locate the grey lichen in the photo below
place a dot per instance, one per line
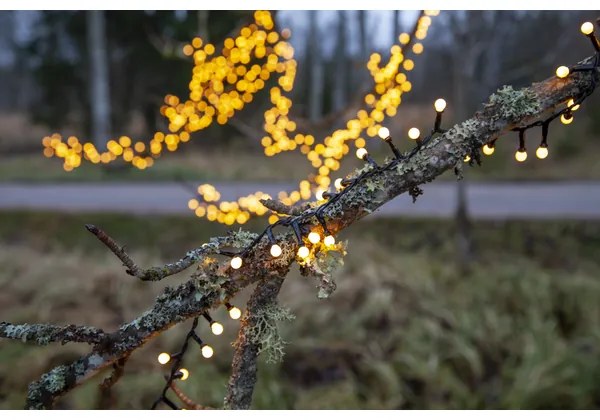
(264, 331)
(510, 104)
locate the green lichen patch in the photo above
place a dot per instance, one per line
(510, 104)
(264, 331)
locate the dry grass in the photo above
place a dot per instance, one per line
(403, 330)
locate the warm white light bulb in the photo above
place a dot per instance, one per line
(467, 158)
(329, 240)
(414, 133)
(216, 328)
(566, 120)
(275, 250)
(571, 104)
(236, 262)
(234, 312)
(164, 358)
(439, 105)
(319, 195)
(542, 152)
(338, 184)
(488, 150)
(184, 374)
(361, 153)
(587, 28)
(207, 351)
(303, 252)
(314, 237)
(562, 72)
(521, 155)
(384, 133)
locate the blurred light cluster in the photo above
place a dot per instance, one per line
(224, 84)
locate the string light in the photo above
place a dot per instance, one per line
(275, 250)
(571, 105)
(236, 263)
(329, 240)
(164, 358)
(521, 153)
(234, 312)
(303, 252)
(383, 133)
(467, 159)
(541, 152)
(566, 119)
(439, 105)
(488, 149)
(414, 134)
(587, 29)
(314, 237)
(207, 351)
(562, 72)
(361, 153)
(184, 374)
(216, 328)
(338, 184)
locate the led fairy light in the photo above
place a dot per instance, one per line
(207, 351)
(319, 195)
(234, 311)
(521, 153)
(467, 159)
(384, 134)
(415, 134)
(275, 250)
(562, 72)
(164, 358)
(566, 118)
(439, 105)
(338, 184)
(489, 148)
(236, 262)
(183, 374)
(314, 237)
(329, 240)
(588, 30)
(362, 154)
(572, 106)
(303, 252)
(215, 327)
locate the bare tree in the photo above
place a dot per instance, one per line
(99, 78)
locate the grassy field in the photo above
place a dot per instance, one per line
(405, 329)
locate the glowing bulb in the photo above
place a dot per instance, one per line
(234, 312)
(184, 374)
(571, 104)
(338, 184)
(164, 358)
(216, 328)
(488, 150)
(439, 105)
(314, 237)
(383, 132)
(236, 262)
(566, 120)
(329, 240)
(303, 252)
(467, 158)
(562, 72)
(521, 155)
(275, 250)
(414, 133)
(319, 195)
(361, 153)
(207, 351)
(542, 152)
(587, 28)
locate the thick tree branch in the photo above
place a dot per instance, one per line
(215, 281)
(43, 334)
(244, 368)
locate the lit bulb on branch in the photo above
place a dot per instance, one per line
(383, 133)
(216, 328)
(488, 149)
(361, 153)
(467, 159)
(184, 374)
(439, 105)
(566, 119)
(338, 184)
(236, 262)
(319, 195)
(207, 351)
(164, 358)
(234, 312)
(414, 134)
(587, 28)
(329, 240)
(571, 105)
(562, 72)
(303, 252)
(542, 152)
(521, 155)
(275, 250)
(314, 237)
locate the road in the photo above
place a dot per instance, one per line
(515, 200)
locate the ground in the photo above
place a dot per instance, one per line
(405, 329)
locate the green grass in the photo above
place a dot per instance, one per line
(405, 328)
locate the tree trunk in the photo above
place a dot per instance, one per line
(99, 81)
(341, 64)
(315, 96)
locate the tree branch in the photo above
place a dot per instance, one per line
(244, 368)
(215, 282)
(43, 334)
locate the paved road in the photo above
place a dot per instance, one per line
(575, 200)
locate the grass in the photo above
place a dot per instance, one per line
(405, 329)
